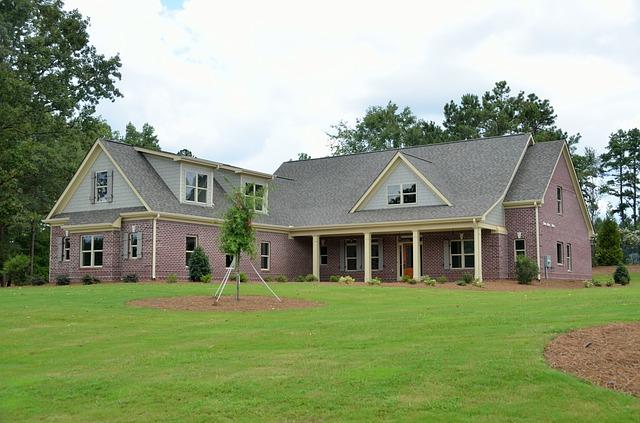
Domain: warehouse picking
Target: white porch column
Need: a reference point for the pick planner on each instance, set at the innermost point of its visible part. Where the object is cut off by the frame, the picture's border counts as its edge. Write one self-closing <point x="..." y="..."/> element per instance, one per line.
<point x="316" y="256"/>
<point x="367" y="257"/>
<point x="417" y="259"/>
<point x="477" y="252"/>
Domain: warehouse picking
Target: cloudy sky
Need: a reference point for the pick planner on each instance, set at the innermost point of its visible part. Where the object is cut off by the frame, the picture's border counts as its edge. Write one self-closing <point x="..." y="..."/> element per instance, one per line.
<point x="255" y="83"/>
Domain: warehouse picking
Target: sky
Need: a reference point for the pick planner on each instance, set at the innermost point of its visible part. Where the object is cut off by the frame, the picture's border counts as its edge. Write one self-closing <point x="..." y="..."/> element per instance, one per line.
<point x="255" y="83"/>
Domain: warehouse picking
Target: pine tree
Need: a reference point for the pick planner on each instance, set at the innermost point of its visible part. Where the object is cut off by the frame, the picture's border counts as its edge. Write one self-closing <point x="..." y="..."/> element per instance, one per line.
<point x="608" y="249"/>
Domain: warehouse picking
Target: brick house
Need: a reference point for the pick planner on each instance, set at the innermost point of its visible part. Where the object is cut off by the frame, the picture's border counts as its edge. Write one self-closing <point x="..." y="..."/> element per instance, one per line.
<point x="443" y="209"/>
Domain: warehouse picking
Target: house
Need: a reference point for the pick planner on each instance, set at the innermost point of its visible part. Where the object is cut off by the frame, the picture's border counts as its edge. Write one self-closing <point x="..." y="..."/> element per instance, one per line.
<point x="443" y="209"/>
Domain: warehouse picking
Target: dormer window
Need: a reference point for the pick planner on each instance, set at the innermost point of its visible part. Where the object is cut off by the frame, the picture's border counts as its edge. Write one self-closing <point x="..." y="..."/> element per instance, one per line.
<point x="401" y="194"/>
<point x="195" y="187"/>
<point x="256" y="194"/>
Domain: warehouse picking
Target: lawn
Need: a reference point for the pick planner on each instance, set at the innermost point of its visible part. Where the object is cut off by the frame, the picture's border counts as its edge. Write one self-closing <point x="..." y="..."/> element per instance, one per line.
<point x="79" y="353"/>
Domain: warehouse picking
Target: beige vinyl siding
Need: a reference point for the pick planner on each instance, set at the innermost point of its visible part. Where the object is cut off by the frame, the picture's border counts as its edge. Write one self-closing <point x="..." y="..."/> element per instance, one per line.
<point x="123" y="195"/>
<point x="401" y="174"/>
<point x="496" y="216"/>
<point x="169" y="171"/>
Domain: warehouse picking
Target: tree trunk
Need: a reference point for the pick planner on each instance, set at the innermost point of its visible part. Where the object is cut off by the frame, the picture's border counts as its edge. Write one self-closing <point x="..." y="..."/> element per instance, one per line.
<point x="237" y="277"/>
<point x="2" y="255"/>
<point x="621" y="194"/>
<point x="33" y="246"/>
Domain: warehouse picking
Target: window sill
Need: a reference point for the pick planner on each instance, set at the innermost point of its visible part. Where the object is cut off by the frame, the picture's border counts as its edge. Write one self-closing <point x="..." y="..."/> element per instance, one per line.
<point x="90" y="267"/>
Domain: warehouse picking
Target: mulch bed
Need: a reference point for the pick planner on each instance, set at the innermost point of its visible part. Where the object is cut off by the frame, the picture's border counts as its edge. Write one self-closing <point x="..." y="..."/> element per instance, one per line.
<point x="226" y="303"/>
<point x="608" y="356"/>
<point x="494" y="285"/>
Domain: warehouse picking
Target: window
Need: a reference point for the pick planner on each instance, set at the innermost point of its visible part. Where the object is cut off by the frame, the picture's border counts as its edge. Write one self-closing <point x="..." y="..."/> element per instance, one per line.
<point x="256" y="194"/>
<point x="401" y="194"/>
<point x="351" y="255"/>
<point x="102" y="187"/>
<point x="135" y="239"/>
<point x="569" y="258"/>
<point x="559" y="200"/>
<point x="191" y="244"/>
<point x="195" y="187"/>
<point x="265" y="255"/>
<point x="91" y="251"/>
<point x="559" y="253"/>
<point x="324" y="254"/>
<point x="375" y="255"/>
<point x="462" y="254"/>
<point x="519" y="248"/>
<point x="66" y="248"/>
<point x="229" y="261"/>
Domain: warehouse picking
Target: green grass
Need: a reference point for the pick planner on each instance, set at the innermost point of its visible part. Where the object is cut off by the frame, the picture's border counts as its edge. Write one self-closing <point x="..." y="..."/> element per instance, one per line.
<point x="79" y="353"/>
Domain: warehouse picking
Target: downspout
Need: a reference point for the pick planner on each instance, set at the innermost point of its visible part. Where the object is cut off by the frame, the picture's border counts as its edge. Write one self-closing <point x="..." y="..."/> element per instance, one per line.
<point x="537" y="206"/>
<point x="153" y="246"/>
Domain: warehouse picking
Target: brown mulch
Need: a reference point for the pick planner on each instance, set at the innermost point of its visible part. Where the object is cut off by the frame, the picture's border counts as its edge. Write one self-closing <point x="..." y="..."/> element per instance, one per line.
<point x="608" y="356"/>
<point x="494" y="285"/>
<point x="608" y="270"/>
<point x="226" y="303"/>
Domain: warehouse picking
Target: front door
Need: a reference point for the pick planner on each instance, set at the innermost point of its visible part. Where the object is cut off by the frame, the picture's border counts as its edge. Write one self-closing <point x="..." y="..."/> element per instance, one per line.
<point x="406" y="261"/>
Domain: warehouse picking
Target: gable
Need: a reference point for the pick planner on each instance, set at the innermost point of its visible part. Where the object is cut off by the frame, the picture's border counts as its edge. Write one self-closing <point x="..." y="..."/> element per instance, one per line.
<point x="400" y="173"/>
<point x="168" y="170"/>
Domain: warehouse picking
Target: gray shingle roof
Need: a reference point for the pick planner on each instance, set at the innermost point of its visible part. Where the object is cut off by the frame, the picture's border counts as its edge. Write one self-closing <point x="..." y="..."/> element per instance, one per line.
<point x="534" y="172"/>
<point x="471" y="174"/>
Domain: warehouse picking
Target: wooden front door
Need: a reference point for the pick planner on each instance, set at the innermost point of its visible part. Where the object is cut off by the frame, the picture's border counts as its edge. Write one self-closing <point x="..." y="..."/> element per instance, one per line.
<point x="406" y="261"/>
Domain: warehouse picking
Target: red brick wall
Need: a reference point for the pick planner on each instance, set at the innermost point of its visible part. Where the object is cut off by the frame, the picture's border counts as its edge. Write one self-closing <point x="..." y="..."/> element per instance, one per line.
<point x="389" y="261"/>
<point x="140" y="266"/>
<point x="522" y="220"/>
<point x="569" y="227"/>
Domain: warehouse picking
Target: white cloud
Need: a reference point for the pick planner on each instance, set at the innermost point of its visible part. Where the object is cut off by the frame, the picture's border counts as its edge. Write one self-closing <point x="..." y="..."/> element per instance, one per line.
<point x="255" y="83"/>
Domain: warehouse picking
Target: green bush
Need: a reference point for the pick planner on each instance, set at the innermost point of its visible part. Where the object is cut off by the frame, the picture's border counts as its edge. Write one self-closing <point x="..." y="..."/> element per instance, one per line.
<point x="38" y="280"/>
<point x="198" y="265"/>
<point x="374" y="281"/>
<point x="526" y="270"/>
<point x="16" y="270"/>
<point x="299" y="278"/>
<point x="406" y="278"/>
<point x="310" y="278"/>
<point x="87" y="279"/>
<point x="63" y="280"/>
<point x="130" y="278"/>
<point x="206" y="278"/>
<point x="597" y="283"/>
<point x="621" y="275"/>
<point x="428" y="281"/>
<point x="588" y="284"/>
<point x="243" y="277"/>
<point x="412" y="281"/>
<point x="281" y="278"/>
<point x="442" y="279"/>
<point x="609" y="282"/>
<point x="467" y="277"/>
<point x="608" y="248"/>
<point x="461" y="283"/>
<point x="334" y="278"/>
<point x="347" y="280"/>
<point x="172" y="278"/>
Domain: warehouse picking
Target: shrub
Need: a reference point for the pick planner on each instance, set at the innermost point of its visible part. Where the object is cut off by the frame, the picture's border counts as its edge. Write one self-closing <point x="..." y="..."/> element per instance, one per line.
<point x="346" y="280"/>
<point x="281" y="278"/>
<point x="334" y="278"/>
<point x="428" y="281"/>
<point x="130" y="278"/>
<point x="442" y="279"/>
<point x="87" y="279"/>
<point x="198" y="265"/>
<point x="299" y="278"/>
<point x="609" y="282"/>
<point x="597" y="283"/>
<point x="16" y="269"/>
<point x="310" y="278"/>
<point x="243" y="277"/>
<point x="467" y="278"/>
<point x="461" y="283"/>
<point x="588" y="284"/>
<point x="608" y="248"/>
<point x="374" y="281"/>
<point x="37" y="281"/>
<point x="172" y="278"/>
<point x="526" y="270"/>
<point x="63" y="280"/>
<point x="207" y="278"/>
<point x="621" y="275"/>
<point x="478" y="283"/>
<point x="406" y="278"/>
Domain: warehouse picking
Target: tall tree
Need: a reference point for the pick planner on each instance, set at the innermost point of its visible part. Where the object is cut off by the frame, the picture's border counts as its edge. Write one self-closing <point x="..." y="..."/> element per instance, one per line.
<point x="614" y="166"/>
<point x="608" y="248"/>
<point x="146" y="138"/>
<point x="632" y="178"/>
<point x="304" y="156"/>
<point x="184" y="152"/>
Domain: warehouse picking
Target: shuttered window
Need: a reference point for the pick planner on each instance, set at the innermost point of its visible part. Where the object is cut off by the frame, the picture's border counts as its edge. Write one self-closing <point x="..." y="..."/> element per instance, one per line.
<point x="66" y="248"/>
<point x="135" y="245"/>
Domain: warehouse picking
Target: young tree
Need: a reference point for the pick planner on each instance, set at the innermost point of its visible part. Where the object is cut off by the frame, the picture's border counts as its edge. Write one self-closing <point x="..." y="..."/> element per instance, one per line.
<point x="237" y="233"/>
<point x="608" y="249"/>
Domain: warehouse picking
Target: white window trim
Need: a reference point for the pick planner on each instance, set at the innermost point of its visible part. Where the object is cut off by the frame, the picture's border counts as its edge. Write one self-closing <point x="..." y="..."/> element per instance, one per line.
<point x="92" y="251"/>
<point x="66" y="250"/>
<point x="196" y="187"/>
<point x="131" y="257"/>
<point x="569" y="258"/>
<point x="462" y="254"/>
<point x="402" y="203"/>
<point x="379" y="244"/>
<point x="267" y="256"/>
<point x="265" y="194"/>
<point x="233" y="261"/>
<point x="95" y="187"/>
<point x="559" y="200"/>
<point x="560" y="263"/>
<point x="185" y="247"/>
<point x="515" y="250"/>
<point x="347" y="244"/>
<point x="324" y="255"/>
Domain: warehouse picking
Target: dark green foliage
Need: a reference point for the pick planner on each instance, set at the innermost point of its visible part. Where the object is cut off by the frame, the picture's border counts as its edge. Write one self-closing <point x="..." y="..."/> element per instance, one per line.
<point x="608" y="248"/>
<point x="16" y="270"/>
<point x="526" y="270"/>
<point x="130" y="278"/>
<point x="310" y="278"/>
<point x="442" y="279"/>
<point x="281" y="278"/>
<point x="198" y="265"/>
<point x="467" y="277"/>
<point x="299" y="278"/>
<point x="621" y="275"/>
<point x="184" y="152"/>
<point x="334" y="278"/>
<point x="172" y="278"/>
<point x="461" y="283"/>
<point x="63" y="280"/>
<point x="238" y="235"/>
<point x="304" y="156"/>
<point x="87" y="279"/>
<point x="38" y="281"/>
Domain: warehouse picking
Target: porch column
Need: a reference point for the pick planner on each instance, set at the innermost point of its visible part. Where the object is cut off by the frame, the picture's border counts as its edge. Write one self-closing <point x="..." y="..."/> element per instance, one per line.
<point x="367" y="257"/>
<point x="417" y="259"/>
<point x="316" y="256"/>
<point x="477" y="252"/>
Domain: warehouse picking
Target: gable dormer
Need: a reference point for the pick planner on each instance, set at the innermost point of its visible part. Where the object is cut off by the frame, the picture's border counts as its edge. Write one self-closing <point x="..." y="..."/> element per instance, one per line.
<point x="400" y="184"/>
